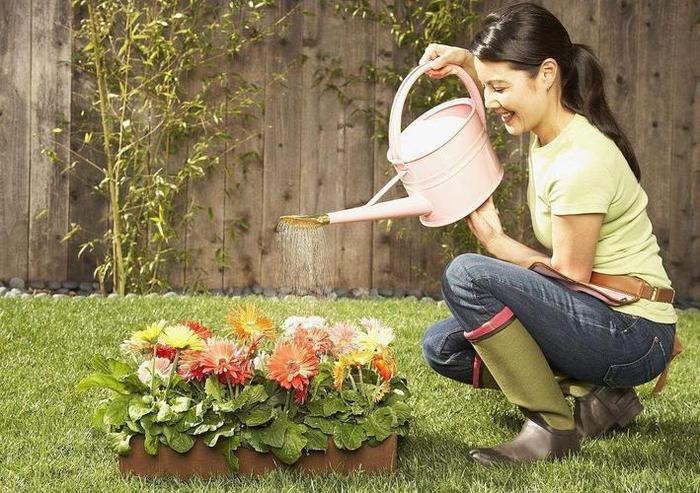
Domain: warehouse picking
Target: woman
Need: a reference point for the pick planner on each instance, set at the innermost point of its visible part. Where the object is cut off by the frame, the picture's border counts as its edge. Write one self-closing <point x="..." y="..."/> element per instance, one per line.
<point x="527" y="334"/>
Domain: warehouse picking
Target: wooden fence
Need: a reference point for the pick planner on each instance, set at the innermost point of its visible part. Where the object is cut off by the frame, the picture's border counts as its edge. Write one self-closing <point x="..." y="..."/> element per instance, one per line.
<point x="318" y="156"/>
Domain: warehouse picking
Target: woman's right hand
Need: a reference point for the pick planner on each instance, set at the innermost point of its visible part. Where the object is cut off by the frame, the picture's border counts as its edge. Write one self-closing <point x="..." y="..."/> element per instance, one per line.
<point x="445" y="55"/>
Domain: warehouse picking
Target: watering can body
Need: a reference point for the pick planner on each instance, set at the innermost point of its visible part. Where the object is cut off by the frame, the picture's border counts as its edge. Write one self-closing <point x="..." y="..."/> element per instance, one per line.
<point x="443" y="158"/>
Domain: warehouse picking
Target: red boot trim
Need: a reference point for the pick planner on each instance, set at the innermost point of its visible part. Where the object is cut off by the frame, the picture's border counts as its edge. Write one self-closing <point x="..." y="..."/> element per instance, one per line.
<point x="500" y="320"/>
<point x="476" y="371"/>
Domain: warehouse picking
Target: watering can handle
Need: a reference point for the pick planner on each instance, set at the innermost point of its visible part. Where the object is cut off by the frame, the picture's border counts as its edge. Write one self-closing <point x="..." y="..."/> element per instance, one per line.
<point x="402" y="94"/>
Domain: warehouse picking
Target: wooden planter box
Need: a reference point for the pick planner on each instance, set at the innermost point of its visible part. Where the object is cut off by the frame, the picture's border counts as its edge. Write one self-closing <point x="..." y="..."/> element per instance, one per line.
<point x="202" y="461"/>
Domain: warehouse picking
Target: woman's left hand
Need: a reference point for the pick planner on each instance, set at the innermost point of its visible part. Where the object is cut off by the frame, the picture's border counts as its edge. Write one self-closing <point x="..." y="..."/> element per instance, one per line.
<point x="485" y="224"/>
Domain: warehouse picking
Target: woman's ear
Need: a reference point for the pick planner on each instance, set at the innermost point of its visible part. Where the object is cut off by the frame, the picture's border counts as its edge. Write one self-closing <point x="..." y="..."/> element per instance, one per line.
<point x="548" y="73"/>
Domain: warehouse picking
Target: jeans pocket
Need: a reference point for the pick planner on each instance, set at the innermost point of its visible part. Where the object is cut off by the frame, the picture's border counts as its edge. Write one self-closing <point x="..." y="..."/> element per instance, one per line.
<point x="623" y="322"/>
<point x="639" y="371"/>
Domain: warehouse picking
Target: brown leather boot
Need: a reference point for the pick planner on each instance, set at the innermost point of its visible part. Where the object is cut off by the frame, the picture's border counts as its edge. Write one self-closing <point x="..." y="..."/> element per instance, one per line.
<point x="604" y="408"/>
<point x="536" y="441"/>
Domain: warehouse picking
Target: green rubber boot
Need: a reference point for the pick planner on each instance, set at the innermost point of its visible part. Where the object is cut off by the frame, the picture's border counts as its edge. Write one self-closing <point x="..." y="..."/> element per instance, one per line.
<point x="519" y="368"/>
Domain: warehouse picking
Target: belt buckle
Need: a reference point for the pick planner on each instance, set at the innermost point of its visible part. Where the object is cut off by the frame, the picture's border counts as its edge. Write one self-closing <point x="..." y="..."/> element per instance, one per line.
<point x="654" y="293"/>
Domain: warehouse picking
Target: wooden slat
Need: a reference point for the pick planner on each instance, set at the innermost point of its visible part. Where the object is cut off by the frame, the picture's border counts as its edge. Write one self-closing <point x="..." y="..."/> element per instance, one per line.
<point x="322" y="129"/>
<point x="384" y="57"/>
<point x="205" y="236"/>
<point x="684" y="230"/>
<point x="282" y="148"/>
<point x="15" y="87"/>
<point x="50" y="108"/>
<point x="244" y="183"/>
<point x="653" y="118"/>
<point x="354" y="255"/>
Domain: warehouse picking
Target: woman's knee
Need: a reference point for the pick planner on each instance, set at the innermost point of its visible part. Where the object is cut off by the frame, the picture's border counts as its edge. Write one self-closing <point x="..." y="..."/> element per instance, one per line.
<point x="464" y="270"/>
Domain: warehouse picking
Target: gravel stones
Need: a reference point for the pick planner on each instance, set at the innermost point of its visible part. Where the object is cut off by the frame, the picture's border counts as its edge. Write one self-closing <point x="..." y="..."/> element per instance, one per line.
<point x="16" y="283"/>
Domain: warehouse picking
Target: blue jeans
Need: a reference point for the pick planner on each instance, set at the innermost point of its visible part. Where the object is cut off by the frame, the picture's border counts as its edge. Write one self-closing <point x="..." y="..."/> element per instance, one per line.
<point x="579" y="335"/>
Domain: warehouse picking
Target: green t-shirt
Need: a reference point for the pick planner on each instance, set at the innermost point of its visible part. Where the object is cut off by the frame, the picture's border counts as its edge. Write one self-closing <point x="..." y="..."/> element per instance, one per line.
<point x="582" y="171"/>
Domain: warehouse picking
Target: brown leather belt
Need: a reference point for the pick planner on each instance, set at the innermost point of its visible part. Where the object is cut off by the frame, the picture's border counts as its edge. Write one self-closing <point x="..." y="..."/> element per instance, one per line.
<point x="633" y="286"/>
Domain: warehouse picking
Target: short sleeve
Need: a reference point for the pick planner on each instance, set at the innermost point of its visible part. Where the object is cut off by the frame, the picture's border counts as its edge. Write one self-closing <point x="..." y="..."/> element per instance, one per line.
<point x="580" y="183"/>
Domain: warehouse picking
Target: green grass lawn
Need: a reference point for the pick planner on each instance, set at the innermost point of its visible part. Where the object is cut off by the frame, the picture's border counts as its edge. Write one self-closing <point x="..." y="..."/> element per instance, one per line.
<point x="47" y="443"/>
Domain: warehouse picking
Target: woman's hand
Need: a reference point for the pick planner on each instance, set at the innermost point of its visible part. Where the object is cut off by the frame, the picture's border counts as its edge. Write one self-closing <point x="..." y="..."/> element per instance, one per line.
<point x="485" y="224"/>
<point x="445" y="55"/>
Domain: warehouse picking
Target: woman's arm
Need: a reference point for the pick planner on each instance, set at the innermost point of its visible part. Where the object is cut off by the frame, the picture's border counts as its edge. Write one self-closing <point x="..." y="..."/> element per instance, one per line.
<point x="574" y="240"/>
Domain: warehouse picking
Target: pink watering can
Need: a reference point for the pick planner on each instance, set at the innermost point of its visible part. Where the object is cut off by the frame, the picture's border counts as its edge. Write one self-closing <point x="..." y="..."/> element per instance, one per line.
<point x="443" y="158"/>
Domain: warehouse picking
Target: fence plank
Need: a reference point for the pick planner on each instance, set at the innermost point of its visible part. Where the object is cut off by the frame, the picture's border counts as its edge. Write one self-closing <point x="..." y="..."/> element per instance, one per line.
<point x="385" y="57"/>
<point x="15" y="84"/>
<point x="684" y="233"/>
<point x="354" y="255"/>
<point x="50" y="108"/>
<point x="244" y="183"/>
<point x="653" y="119"/>
<point x="282" y="140"/>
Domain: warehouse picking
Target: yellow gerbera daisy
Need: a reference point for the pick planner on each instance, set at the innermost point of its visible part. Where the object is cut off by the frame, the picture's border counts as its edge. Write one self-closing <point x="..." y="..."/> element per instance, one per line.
<point x="249" y="322"/>
<point x="142" y="341"/>
<point x="181" y="337"/>
<point x="376" y="337"/>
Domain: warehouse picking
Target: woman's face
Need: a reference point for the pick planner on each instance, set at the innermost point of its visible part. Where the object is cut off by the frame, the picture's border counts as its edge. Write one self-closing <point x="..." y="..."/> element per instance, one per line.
<point x="519" y="99"/>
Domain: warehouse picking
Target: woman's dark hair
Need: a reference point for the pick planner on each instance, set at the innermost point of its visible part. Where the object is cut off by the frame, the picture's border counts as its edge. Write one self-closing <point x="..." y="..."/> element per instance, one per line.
<point x="525" y="35"/>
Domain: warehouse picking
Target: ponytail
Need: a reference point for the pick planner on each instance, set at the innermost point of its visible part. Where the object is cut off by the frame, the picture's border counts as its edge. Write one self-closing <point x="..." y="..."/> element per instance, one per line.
<point x="525" y="35"/>
<point x="583" y="91"/>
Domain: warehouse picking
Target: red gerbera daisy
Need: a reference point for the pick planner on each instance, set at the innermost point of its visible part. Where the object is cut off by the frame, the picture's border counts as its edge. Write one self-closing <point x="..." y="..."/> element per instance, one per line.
<point x="199" y="329"/>
<point x="318" y="339"/>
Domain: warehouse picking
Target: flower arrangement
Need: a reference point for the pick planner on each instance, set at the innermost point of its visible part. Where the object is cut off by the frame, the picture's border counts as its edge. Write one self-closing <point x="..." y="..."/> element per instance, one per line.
<point x="282" y="390"/>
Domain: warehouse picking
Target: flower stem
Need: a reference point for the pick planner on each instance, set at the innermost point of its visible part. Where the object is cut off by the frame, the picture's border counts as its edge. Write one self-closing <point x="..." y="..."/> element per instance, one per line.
<point x="230" y="389"/>
<point x="352" y="380"/>
<point x="153" y="372"/>
<point x="288" y="401"/>
<point x="172" y="372"/>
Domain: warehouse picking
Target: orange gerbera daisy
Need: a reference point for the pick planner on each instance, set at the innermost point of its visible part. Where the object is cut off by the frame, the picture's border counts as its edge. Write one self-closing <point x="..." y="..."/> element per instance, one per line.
<point x="248" y="322"/>
<point x="226" y="360"/>
<point x="292" y="365"/>
<point x="318" y="339"/>
<point x="385" y="364"/>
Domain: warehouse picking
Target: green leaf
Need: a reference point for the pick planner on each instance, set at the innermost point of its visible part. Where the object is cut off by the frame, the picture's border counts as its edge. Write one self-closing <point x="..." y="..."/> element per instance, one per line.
<point x="98" y="416"/>
<point x="180" y="404"/>
<point x="165" y="412"/>
<point x="254" y="394"/>
<point x="133" y="384"/>
<point x="253" y="438"/>
<point x="294" y="443"/>
<point x="210" y="422"/>
<point x="258" y="416"/>
<point x="402" y="411"/>
<point x="110" y="366"/>
<point x="228" y="446"/>
<point x="349" y="436"/>
<point x="379" y="423"/>
<point x="333" y="405"/>
<point x="150" y="427"/>
<point x="212" y="388"/>
<point x="179" y="442"/>
<point x="150" y="444"/>
<point x="273" y="435"/>
<point x="326" y="425"/>
<point x="316" y="439"/>
<point x="228" y="430"/>
<point x="101" y="380"/>
<point x="117" y="411"/>
<point x="138" y="408"/>
<point x="119" y="441"/>
<point x="190" y="419"/>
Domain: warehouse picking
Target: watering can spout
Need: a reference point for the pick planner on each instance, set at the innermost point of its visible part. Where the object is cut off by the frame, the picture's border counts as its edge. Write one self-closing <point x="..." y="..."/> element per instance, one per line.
<point x="414" y="205"/>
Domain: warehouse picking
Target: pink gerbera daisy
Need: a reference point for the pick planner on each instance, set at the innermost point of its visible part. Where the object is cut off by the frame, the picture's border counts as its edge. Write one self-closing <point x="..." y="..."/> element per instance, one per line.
<point x="317" y="338"/>
<point x="226" y="360"/>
